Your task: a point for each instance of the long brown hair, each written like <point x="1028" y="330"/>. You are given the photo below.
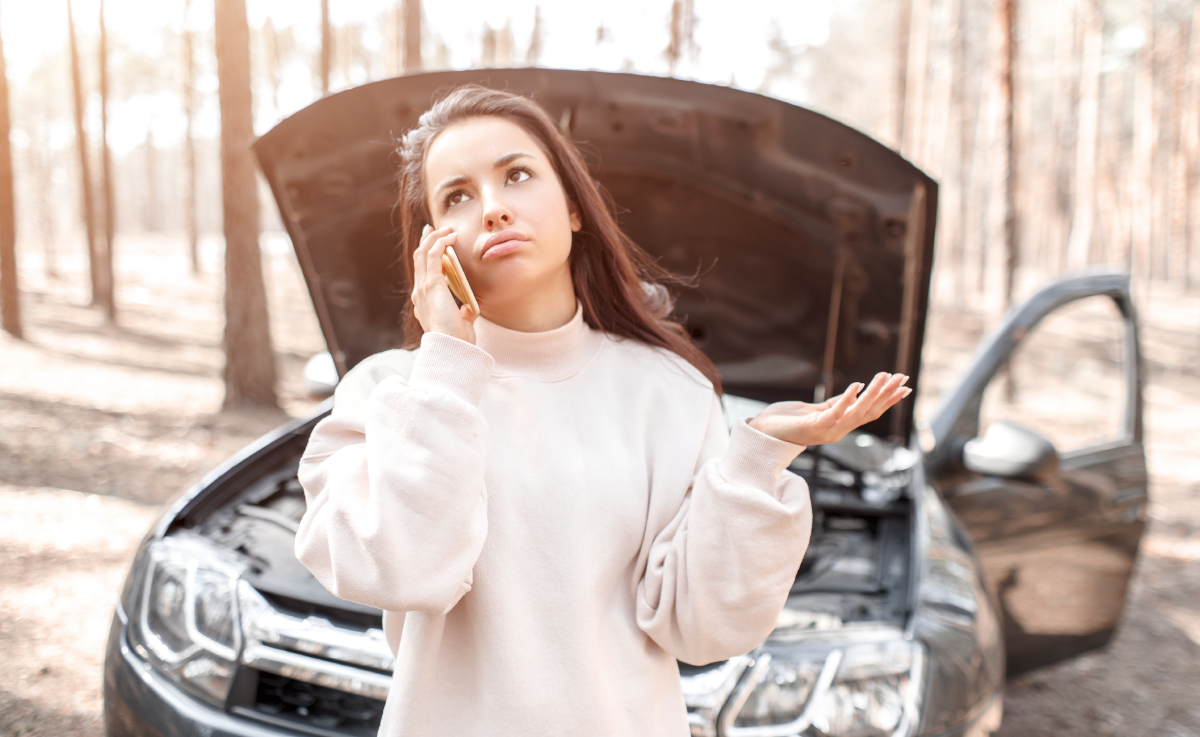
<point x="619" y="285"/>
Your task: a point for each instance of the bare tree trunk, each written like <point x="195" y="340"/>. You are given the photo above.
<point x="1006" y="55"/>
<point x="109" y="298"/>
<point x="534" y="54"/>
<point x="1177" y="183"/>
<point x="189" y="142"/>
<point x="85" y="169"/>
<point x="45" y="185"/>
<point x="682" y="28"/>
<point x="1144" y="134"/>
<point x="1079" y="247"/>
<point x="326" y="47"/>
<point x="10" y="294"/>
<point x="151" y="161"/>
<point x="249" y="361"/>
<point x="962" y="123"/>
<point x="895" y="132"/>
<point x="1191" y="149"/>
<point x="916" y="74"/>
<point x="412" y="35"/>
<point x="1063" y="142"/>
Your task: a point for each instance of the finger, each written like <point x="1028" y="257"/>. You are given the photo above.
<point x="892" y="401"/>
<point x="433" y="257"/>
<point x="839" y="405"/>
<point x="872" y="400"/>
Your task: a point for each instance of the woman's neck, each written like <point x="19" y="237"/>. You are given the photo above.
<point x="536" y="311"/>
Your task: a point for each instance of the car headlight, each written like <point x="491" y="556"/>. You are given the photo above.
<point x="184" y="619"/>
<point x="865" y="684"/>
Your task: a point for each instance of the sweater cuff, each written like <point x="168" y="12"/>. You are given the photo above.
<point x="756" y="459"/>
<point x="454" y="365"/>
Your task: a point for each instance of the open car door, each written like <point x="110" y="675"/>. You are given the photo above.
<point x="1039" y="453"/>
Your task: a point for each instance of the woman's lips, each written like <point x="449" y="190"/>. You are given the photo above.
<point x="503" y="243"/>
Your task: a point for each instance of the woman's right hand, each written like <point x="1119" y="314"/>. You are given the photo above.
<point x="432" y="301"/>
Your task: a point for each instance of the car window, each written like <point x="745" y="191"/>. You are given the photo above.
<point x="1065" y="380"/>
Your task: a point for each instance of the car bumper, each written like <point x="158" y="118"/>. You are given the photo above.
<point x="138" y="702"/>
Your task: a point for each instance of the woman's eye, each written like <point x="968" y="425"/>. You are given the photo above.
<point x="455" y="198"/>
<point x="517" y="175"/>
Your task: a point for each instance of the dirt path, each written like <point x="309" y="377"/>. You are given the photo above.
<point x="100" y="426"/>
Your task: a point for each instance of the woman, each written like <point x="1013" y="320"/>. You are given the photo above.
<point x="544" y="499"/>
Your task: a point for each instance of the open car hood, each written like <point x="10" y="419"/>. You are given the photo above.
<point x="793" y="221"/>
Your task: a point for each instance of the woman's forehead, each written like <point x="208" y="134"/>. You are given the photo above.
<point x="473" y="146"/>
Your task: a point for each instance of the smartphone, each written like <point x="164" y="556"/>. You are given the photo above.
<point x="457" y="279"/>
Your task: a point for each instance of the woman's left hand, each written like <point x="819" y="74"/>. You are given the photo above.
<point x="828" y="422"/>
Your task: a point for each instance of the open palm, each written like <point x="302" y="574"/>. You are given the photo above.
<point x="829" y="421"/>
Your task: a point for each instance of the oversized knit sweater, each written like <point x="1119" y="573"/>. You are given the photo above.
<point x="548" y="521"/>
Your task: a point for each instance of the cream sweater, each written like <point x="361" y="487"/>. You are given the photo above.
<point x="551" y="519"/>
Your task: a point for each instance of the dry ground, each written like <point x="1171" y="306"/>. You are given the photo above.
<point x="99" y="426"/>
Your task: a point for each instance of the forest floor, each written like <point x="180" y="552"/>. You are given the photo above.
<point x="100" y="426"/>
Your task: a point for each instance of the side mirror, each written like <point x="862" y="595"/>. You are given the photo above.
<point x="1006" y="449"/>
<point x="320" y="375"/>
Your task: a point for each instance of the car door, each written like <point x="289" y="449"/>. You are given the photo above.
<point x="1039" y="453"/>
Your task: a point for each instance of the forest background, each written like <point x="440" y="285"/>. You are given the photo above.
<point x="1064" y="135"/>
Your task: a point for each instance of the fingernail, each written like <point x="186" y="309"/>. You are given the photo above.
<point x="904" y="381"/>
<point x="425" y="231"/>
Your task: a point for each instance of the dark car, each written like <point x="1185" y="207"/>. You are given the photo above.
<point x="930" y="575"/>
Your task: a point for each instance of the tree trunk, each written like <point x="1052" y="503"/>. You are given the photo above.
<point x="189" y="142"/>
<point x="108" y="301"/>
<point x="1177" y="183"/>
<point x="1007" y="55"/>
<point x="916" y="75"/>
<point x="1191" y="148"/>
<point x="899" y="91"/>
<point x="961" y="123"/>
<point x="151" y="162"/>
<point x="326" y="47"/>
<point x="412" y="35"/>
<point x="10" y="295"/>
<point x="249" y="361"/>
<point x="85" y="169"/>
<point x="1063" y="142"/>
<point x="1079" y="246"/>
<point x="1144" y="144"/>
<point x="534" y="54"/>
<point x="681" y="39"/>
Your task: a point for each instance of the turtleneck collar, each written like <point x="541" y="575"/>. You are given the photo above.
<point x="552" y="355"/>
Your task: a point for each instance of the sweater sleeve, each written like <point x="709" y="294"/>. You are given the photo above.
<point x="719" y="572"/>
<point x="394" y="480"/>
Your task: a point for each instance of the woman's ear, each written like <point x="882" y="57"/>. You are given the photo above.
<point x="576" y="220"/>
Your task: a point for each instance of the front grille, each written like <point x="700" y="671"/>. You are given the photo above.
<point x="311" y="705"/>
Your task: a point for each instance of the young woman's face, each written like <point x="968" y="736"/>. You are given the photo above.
<point x="491" y="183"/>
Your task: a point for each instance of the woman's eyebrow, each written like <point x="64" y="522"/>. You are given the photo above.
<point x="501" y="162"/>
<point x="451" y="182"/>
<point x="507" y="159"/>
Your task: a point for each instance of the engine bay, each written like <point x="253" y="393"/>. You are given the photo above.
<point x="855" y="571"/>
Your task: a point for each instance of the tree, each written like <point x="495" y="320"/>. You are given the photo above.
<point x="1145" y="135"/>
<point x="249" y="361"/>
<point x="10" y="302"/>
<point x="85" y="171"/>
<point x="683" y="22"/>
<point x="326" y="47"/>
<point x="189" y="142"/>
<point x="900" y="89"/>
<point x="1006" y="56"/>
<point x="916" y="72"/>
<point x="1065" y="126"/>
<point x="1191" y="149"/>
<point x="412" y="35"/>
<point x="1083" y="217"/>
<point x="109" y="300"/>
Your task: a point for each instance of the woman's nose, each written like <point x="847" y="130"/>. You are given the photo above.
<point x="496" y="215"/>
